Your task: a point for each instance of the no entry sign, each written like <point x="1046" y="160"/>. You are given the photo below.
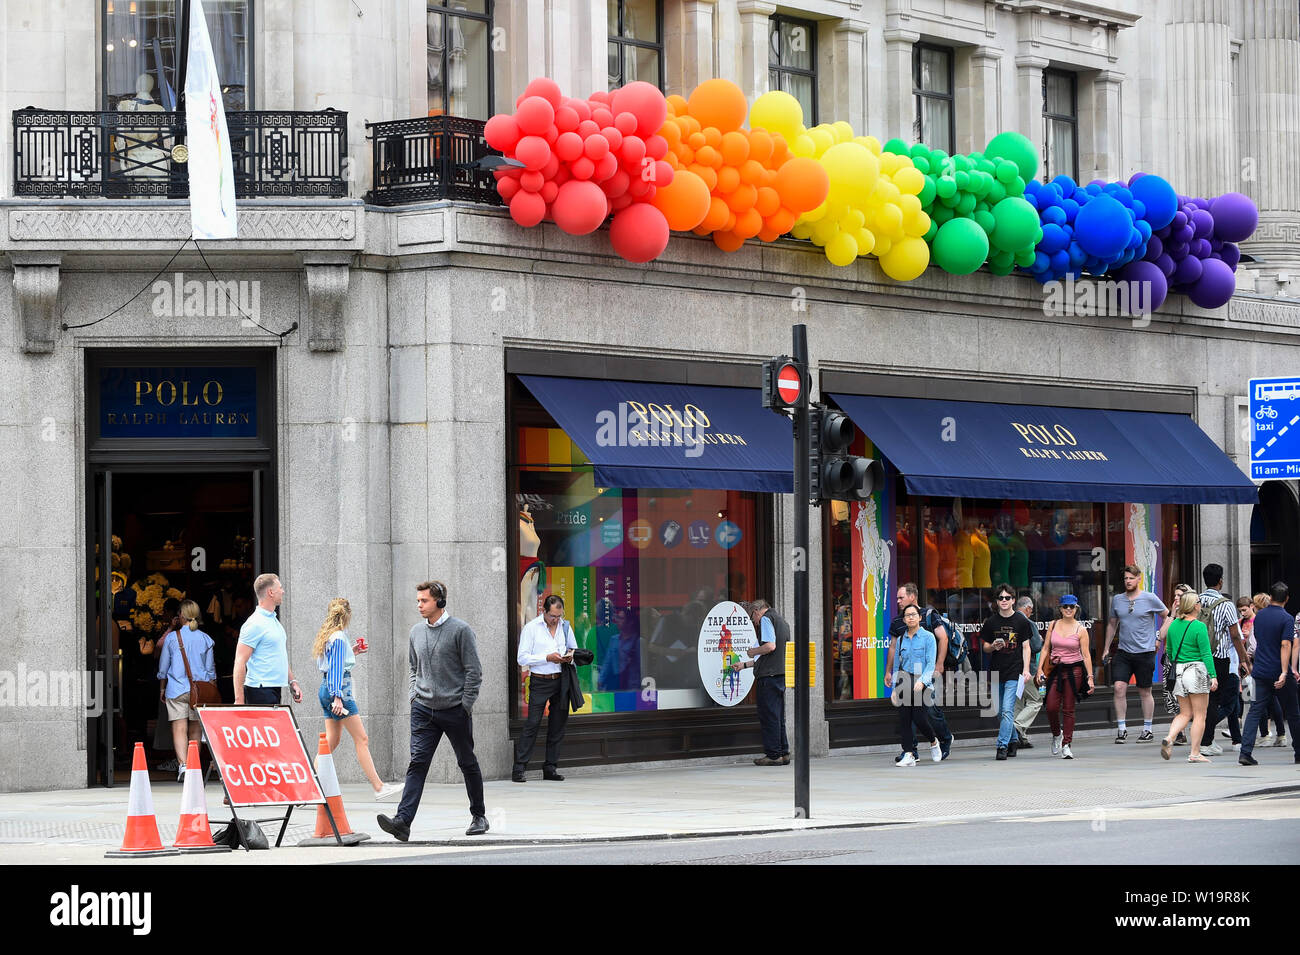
<point x="788" y="383"/>
<point x="260" y="755"/>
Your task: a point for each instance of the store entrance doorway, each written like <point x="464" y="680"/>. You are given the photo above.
<point x="1275" y="539"/>
<point x="162" y="537"/>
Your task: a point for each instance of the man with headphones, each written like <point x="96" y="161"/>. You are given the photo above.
<point x="445" y="681"/>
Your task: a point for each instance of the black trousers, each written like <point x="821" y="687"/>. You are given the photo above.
<point x="427" y="730"/>
<point x="539" y="692"/>
<point x="1221" y="699"/>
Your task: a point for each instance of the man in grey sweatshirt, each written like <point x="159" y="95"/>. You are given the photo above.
<point x="445" y="680"/>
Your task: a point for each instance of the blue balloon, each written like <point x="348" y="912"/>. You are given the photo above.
<point x="1054" y="215"/>
<point x="1093" y="188"/>
<point x="1071" y="209"/>
<point x="1032" y="200"/>
<point x="1060" y="262"/>
<point x="1054" y="238"/>
<point x="1102" y="227"/>
<point x="1077" y="256"/>
<point x="1139" y="209"/>
<point x="1041" y="262"/>
<point x="1145" y="228"/>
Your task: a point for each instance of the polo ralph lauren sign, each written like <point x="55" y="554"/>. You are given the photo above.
<point x="178" y="402"/>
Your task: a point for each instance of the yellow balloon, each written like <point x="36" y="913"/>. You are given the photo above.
<point x="866" y="241"/>
<point x="889" y="220"/>
<point x="890" y="163"/>
<point x="906" y="260"/>
<point x="842" y="131"/>
<point x="887" y="191"/>
<point x="872" y="143"/>
<point x="825" y="230"/>
<point x="812" y="215"/>
<point x="842" y="250"/>
<point x="822" y="140"/>
<point x="777" y="112"/>
<point x="909" y="180"/>
<point x="801" y="230"/>
<point x="910" y="205"/>
<point x="854" y="220"/>
<point x="918" y="226"/>
<point x="802" y="145"/>
<point x="851" y="170"/>
<point x="883" y="244"/>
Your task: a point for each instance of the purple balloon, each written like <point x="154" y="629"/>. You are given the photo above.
<point x="1147" y="286"/>
<point x="1185" y="234"/>
<point x="1176" y="250"/>
<point x="1188" y="271"/>
<point x="1179" y="220"/>
<point x="1202" y="223"/>
<point x="1134" y="178"/>
<point x="1235" y="217"/>
<point x="1155" y="248"/>
<point x="1231" y="255"/>
<point x="1201" y="248"/>
<point x="1214" y="287"/>
<point x="1165" y="264"/>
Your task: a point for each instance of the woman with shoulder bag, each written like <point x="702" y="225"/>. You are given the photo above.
<point x="188" y="679"/>
<point x="1065" y="667"/>
<point x="1191" y="679"/>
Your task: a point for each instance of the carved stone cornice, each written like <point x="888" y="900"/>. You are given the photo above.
<point x="327" y="290"/>
<point x="36" y="287"/>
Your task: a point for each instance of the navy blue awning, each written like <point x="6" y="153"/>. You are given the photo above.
<point x="650" y="434"/>
<point x="1038" y="452"/>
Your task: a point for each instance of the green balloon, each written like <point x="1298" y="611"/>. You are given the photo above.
<point x="997" y="192"/>
<point x="1006" y="172"/>
<point x="919" y="149"/>
<point x="1016" y="187"/>
<point x="931" y="232"/>
<point x="893" y="146"/>
<point x="921" y="162"/>
<point x="962" y="179"/>
<point x="1018" y="149"/>
<point x="927" y="193"/>
<point x="940" y="213"/>
<point x="1015" y="222"/>
<point x="1025" y="257"/>
<point x="985" y="220"/>
<point x="998" y="257"/>
<point x="960" y="247"/>
<point x="1002" y="269"/>
<point x="966" y="204"/>
<point x="946" y="187"/>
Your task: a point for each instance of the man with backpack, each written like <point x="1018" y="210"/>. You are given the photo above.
<point x="1031" y="701"/>
<point x="949" y="652"/>
<point x="1222" y="622"/>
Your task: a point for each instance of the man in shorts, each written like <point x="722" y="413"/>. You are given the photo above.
<point x="1133" y="616"/>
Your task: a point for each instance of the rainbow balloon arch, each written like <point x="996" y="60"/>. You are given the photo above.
<point x="660" y="164"/>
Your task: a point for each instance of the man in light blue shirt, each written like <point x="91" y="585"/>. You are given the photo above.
<point x="262" y="657"/>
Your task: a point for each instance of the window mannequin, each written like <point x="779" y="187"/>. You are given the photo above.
<point x="982" y="554"/>
<point x="141" y="156"/>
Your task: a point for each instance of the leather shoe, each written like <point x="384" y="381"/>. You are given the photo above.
<point x="785" y="759"/>
<point x="768" y="761"/>
<point x="477" y="827"/>
<point x="552" y="775"/>
<point x="1012" y="748"/>
<point x="518" y="776"/>
<point x="394" y="827"/>
<point x="1002" y="752"/>
<point x="1024" y="743"/>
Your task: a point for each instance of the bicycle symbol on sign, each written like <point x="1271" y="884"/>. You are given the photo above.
<point x="1267" y="411"/>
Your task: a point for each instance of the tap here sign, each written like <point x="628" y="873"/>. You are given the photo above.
<point x="260" y="755"/>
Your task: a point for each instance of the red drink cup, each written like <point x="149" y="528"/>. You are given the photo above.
<point x="360" y="645"/>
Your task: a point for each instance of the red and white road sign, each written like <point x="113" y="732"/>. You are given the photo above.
<point x="789" y="383"/>
<point x="260" y="755"/>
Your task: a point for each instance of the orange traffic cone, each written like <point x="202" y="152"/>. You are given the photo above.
<point x="141" y="839"/>
<point x="193" y="833"/>
<point x="329" y="786"/>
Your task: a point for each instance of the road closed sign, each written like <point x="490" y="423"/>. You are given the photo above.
<point x="260" y="755"/>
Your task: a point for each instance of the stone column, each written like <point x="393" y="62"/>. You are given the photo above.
<point x="900" y="103"/>
<point x="696" y="48"/>
<point x="848" y="75"/>
<point x="985" y="95"/>
<point x="1200" y="142"/>
<point x="1029" y="101"/>
<point x="274" y="56"/>
<point x="1100" y="142"/>
<point x="754" y="15"/>
<point x="1268" y="129"/>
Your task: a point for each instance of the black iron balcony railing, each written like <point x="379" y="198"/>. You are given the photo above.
<point x="129" y="154"/>
<point x="430" y="157"/>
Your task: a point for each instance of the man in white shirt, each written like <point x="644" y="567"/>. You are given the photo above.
<point x="546" y="644"/>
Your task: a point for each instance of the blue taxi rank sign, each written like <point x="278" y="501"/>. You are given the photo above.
<point x="178" y="402"/>
<point x="1274" y="428"/>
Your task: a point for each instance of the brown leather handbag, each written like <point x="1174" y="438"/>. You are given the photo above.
<point x="202" y="692"/>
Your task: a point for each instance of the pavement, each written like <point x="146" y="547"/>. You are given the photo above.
<point x="852" y="788"/>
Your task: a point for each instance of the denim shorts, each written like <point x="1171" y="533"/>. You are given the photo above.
<point x="327" y="700"/>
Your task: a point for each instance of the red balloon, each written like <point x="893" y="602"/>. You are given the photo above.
<point x="532" y="181"/>
<point x="606" y="167"/>
<point x="625" y="123"/>
<point x="644" y="101"/>
<point x="663" y="174"/>
<point x="506" y="188"/>
<point x="533" y="151"/>
<point x="588" y="128"/>
<point x="600" y="96"/>
<point x="613" y="136"/>
<point x="535" y="115"/>
<point x="633" y="150"/>
<point x="582" y="168"/>
<point x="502" y="132"/>
<point x="621" y="202"/>
<point x="639" y="187"/>
<point x="566" y="119"/>
<point x="616" y="184"/>
<point x="580" y="207"/>
<point x="527" y="208"/>
<point x="549" y="192"/>
<point x="551" y="135"/>
<point x="639" y="233"/>
<point x="656" y="147"/>
<point x="583" y="109"/>
<point x="547" y="89"/>
<point x="552" y="166"/>
<point x="568" y="146"/>
<point x="602" y="117"/>
<point x="596" y="147"/>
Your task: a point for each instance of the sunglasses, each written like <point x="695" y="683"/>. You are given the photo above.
<point x="1005" y="597"/>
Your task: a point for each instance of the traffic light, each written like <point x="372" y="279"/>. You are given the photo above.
<point x="837" y="475"/>
<point x="783" y="383"/>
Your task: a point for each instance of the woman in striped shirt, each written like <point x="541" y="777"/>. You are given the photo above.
<point x="335" y="658"/>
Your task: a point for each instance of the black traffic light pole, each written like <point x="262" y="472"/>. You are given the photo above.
<point x="799" y="560"/>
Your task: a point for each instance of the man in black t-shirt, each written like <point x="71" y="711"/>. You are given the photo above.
<point x="908" y="595"/>
<point x="1007" y="635"/>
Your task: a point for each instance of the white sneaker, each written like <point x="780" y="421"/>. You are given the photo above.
<point x="1270" y="740"/>
<point x="1280" y="741"/>
<point x="1065" y="752"/>
<point x="1214" y="749"/>
<point x="1056" y="745"/>
<point x="936" y="754"/>
<point x="1236" y="747"/>
<point x="388" y="790"/>
<point x="907" y="760"/>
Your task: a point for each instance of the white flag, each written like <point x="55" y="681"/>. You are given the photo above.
<point x="212" y="174"/>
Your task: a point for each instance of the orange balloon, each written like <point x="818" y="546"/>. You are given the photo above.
<point x="716" y="218"/>
<point x="696" y="141"/>
<point x="742" y="199"/>
<point x="708" y="156"/>
<point x="691" y="124"/>
<point x="727" y="241"/>
<point x="751" y="171"/>
<point x="731" y="222"/>
<point x="768" y="178"/>
<point x="768" y="201"/>
<point x="782" y="220"/>
<point x="780" y="152"/>
<point x="728" y="179"/>
<point x="708" y="174"/>
<point x="760" y="145"/>
<point x="684" y="202"/>
<point x="673" y="133"/>
<point x="719" y="103"/>
<point x="748" y="224"/>
<point x="713" y="137"/>
<point x="802" y="183"/>
<point x="766" y="234"/>
<point x="677" y="104"/>
<point x="735" y="148"/>
<point x="685" y="155"/>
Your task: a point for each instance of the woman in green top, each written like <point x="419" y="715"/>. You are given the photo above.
<point x="1188" y="646"/>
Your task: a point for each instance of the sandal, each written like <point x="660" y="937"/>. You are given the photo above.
<point x="1198" y="758"/>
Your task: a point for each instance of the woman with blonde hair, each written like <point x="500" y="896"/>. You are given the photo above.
<point x="1188" y="647"/>
<point x="335" y="658"/>
<point x="176" y="673"/>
